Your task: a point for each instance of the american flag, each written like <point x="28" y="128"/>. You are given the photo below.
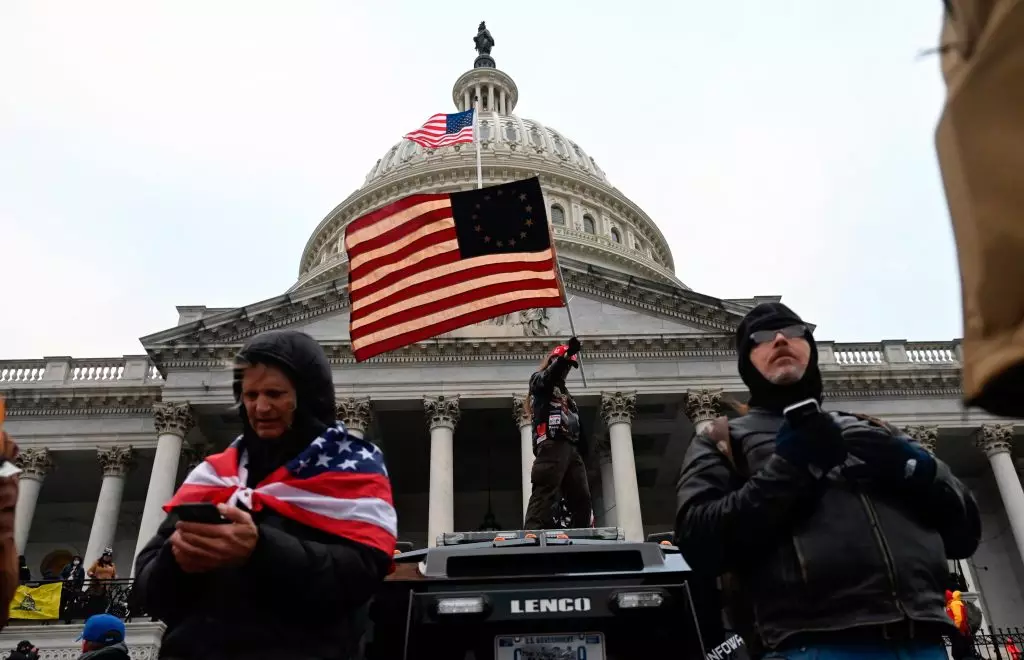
<point x="442" y="130"/>
<point x="428" y="264"/>
<point x="337" y="485"/>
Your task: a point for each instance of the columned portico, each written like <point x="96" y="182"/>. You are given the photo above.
<point x="356" y="414"/>
<point x="173" y="422"/>
<point x="926" y="436"/>
<point x="997" y="442"/>
<point x="116" y="462"/>
<point x="618" y="410"/>
<point x="702" y="407"/>
<point x="442" y="417"/>
<point x="35" y="463"/>
<point x="524" y="422"/>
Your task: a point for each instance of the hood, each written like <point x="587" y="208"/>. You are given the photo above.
<point x="306" y="365"/>
<point x="117" y="651"/>
<point x="302" y="359"/>
<point x="764" y="394"/>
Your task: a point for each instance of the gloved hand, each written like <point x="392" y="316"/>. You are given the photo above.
<point x="817" y="441"/>
<point x="892" y="461"/>
<point x="574" y="347"/>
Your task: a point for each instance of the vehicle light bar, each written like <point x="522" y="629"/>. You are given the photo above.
<point x="465" y="605"/>
<point x="632" y="600"/>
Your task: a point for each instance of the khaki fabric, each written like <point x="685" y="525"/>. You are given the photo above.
<point x="980" y="143"/>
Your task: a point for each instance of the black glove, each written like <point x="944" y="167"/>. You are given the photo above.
<point x="574" y="347"/>
<point x="892" y="461"/>
<point x="817" y="441"/>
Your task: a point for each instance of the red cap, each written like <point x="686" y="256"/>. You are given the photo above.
<point x="561" y="351"/>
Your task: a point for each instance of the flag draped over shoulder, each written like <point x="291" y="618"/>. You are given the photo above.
<point x="39" y="603"/>
<point x="428" y="264"/>
<point x="338" y="485"/>
<point x="443" y="130"/>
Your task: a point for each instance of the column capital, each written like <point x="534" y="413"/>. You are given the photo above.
<point x="442" y="411"/>
<point x="194" y="454"/>
<point x="520" y="411"/>
<point x="618" y="407"/>
<point x="926" y="436"/>
<point x="173" y="418"/>
<point x="995" y="439"/>
<point x="117" y="460"/>
<point x="702" y="405"/>
<point x="355" y="413"/>
<point x="35" y="463"/>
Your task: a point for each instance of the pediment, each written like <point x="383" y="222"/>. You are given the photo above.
<point x="602" y="302"/>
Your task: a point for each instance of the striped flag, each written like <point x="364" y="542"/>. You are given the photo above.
<point x="428" y="264"/>
<point x="338" y="485"/>
<point x="442" y="130"/>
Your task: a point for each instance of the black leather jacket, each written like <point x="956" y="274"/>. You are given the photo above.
<point x="819" y="556"/>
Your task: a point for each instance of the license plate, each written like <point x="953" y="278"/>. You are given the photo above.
<point x="585" y="646"/>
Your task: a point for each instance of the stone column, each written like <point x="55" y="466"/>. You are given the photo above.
<point x="997" y="442"/>
<point x="610" y="516"/>
<point x="442" y="417"/>
<point x="502" y="108"/>
<point x="490" y="98"/>
<point x="926" y="436"/>
<point x="618" y="410"/>
<point x="702" y="407"/>
<point x="466" y="105"/>
<point x="524" y="420"/>
<point x="35" y="463"/>
<point x="116" y="462"/>
<point x="173" y="422"/>
<point x="355" y="413"/>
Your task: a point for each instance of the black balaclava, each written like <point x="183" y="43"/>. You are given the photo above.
<point x="764" y="394"/>
<point x="302" y="359"/>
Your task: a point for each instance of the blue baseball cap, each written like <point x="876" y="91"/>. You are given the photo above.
<point x="102" y="629"/>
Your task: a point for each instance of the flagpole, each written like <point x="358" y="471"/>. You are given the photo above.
<point x="476" y="138"/>
<point x="565" y="299"/>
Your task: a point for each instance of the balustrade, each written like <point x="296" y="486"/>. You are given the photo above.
<point x="65" y="371"/>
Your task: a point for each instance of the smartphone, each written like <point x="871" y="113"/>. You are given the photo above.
<point x="799" y="412"/>
<point x="200" y="512"/>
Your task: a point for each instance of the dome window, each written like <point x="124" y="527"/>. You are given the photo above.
<point x="485" y="130"/>
<point x="589" y="226"/>
<point x="557" y="215"/>
<point x="616" y="236"/>
<point x="536" y="138"/>
<point x="511" y="134"/>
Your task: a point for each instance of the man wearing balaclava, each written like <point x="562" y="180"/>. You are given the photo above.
<point x="835" y="527"/>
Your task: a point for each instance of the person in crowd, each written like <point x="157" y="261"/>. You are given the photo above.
<point x="103" y="638"/>
<point x="283" y="576"/>
<point x="8" y="551"/>
<point x="24" y="574"/>
<point x="558" y="468"/>
<point x="103" y="569"/>
<point x="73" y="574"/>
<point x="25" y="650"/>
<point x="836" y="527"/>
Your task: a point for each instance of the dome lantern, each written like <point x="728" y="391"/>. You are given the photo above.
<point x="495" y="90"/>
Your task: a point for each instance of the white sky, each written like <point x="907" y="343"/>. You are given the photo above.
<point x="180" y="153"/>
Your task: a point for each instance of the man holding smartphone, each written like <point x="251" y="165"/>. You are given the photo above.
<point x="835" y="527"/>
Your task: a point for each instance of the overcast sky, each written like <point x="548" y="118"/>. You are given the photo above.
<point x="181" y="153"/>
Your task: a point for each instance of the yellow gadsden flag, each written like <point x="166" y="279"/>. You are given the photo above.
<point x="42" y="602"/>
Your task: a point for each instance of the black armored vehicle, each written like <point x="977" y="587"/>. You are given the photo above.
<point x="568" y="594"/>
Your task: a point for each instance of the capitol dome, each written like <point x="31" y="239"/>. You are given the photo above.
<point x="592" y="222"/>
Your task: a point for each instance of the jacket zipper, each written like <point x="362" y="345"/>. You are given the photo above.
<point x="890" y="565"/>
<point x="800" y="560"/>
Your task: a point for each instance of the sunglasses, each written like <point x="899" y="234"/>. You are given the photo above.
<point x="789" y="332"/>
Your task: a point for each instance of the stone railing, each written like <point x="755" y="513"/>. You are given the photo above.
<point x="58" y="371"/>
<point x="890" y="352"/>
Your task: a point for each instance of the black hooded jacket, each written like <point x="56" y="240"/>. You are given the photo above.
<point x="302" y="593"/>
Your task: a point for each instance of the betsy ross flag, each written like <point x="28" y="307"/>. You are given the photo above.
<point x="428" y="264"/>
<point x="338" y="485"/>
<point x="442" y="130"/>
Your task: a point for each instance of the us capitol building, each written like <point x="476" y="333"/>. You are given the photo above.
<point x="107" y="440"/>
